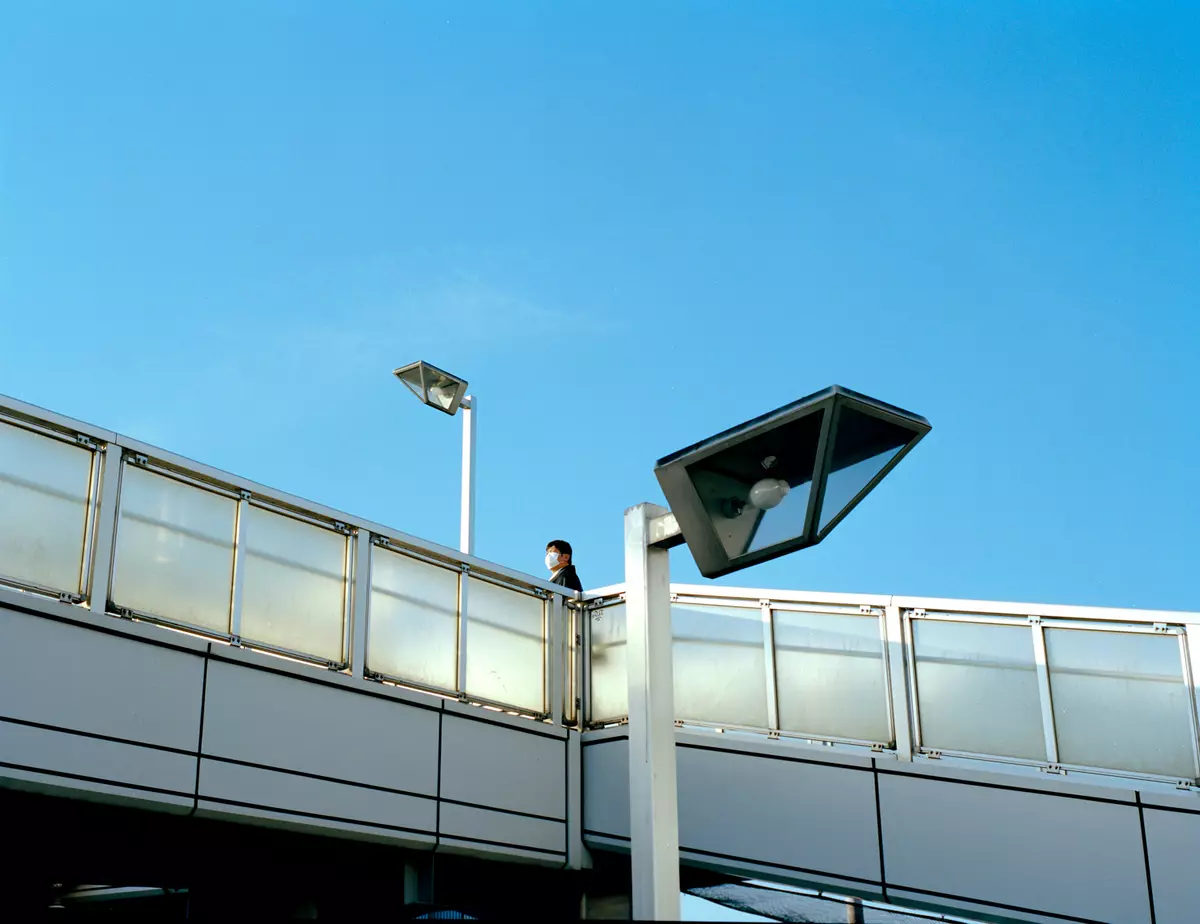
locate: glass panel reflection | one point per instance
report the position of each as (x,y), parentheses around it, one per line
(413,626)
(1120,701)
(294,595)
(977,689)
(862,446)
(44,484)
(505,646)
(757,491)
(719,665)
(174,550)
(830,674)
(609,690)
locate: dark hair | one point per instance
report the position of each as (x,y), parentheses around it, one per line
(564,547)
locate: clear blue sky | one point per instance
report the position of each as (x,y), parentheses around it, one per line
(630,226)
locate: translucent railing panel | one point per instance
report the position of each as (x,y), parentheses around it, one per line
(1120,701)
(44,488)
(413,624)
(977,689)
(830,674)
(506,646)
(609,682)
(174,550)
(294,594)
(719,664)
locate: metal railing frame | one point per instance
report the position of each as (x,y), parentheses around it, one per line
(112,452)
(896,615)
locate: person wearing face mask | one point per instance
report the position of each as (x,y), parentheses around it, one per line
(558,561)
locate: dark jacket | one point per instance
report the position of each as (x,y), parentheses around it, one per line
(567,577)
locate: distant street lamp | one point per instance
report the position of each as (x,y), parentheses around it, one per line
(447,393)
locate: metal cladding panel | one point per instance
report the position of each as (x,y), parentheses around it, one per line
(1026,850)
(475,824)
(301,795)
(810,816)
(606,787)
(1173,843)
(492,765)
(72,677)
(81,762)
(286,723)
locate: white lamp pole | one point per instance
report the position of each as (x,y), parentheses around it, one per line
(653,801)
(466,533)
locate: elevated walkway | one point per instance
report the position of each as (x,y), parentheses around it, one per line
(178,641)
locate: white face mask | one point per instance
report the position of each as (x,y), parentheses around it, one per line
(551,561)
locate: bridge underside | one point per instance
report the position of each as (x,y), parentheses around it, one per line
(225,869)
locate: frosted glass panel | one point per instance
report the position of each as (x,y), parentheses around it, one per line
(1120,701)
(44,486)
(505,651)
(412,632)
(719,665)
(174,552)
(609,690)
(294,595)
(977,689)
(829,670)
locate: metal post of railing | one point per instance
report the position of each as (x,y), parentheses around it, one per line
(556,635)
(1043,674)
(768,624)
(901,696)
(239,568)
(106,530)
(363,548)
(463,593)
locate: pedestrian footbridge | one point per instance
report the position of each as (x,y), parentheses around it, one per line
(177,639)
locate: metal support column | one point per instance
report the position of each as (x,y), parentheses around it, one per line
(653,806)
(466,540)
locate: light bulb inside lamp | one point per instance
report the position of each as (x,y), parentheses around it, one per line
(768,493)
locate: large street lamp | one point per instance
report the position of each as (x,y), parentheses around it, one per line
(762,489)
(447,393)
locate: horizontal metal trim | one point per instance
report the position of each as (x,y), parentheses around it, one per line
(592,744)
(186,476)
(294,812)
(81,618)
(784,757)
(541,733)
(42,590)
(136,787)
(1042,610)
(480,840)
(61,430)
(316,776)
(364,690)
(789,735)
(792,869)
(1010,787)
(184,752)
(1177,809)
(502,811)
(1109,773)
(588,832)
(989,904)
(375,787)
